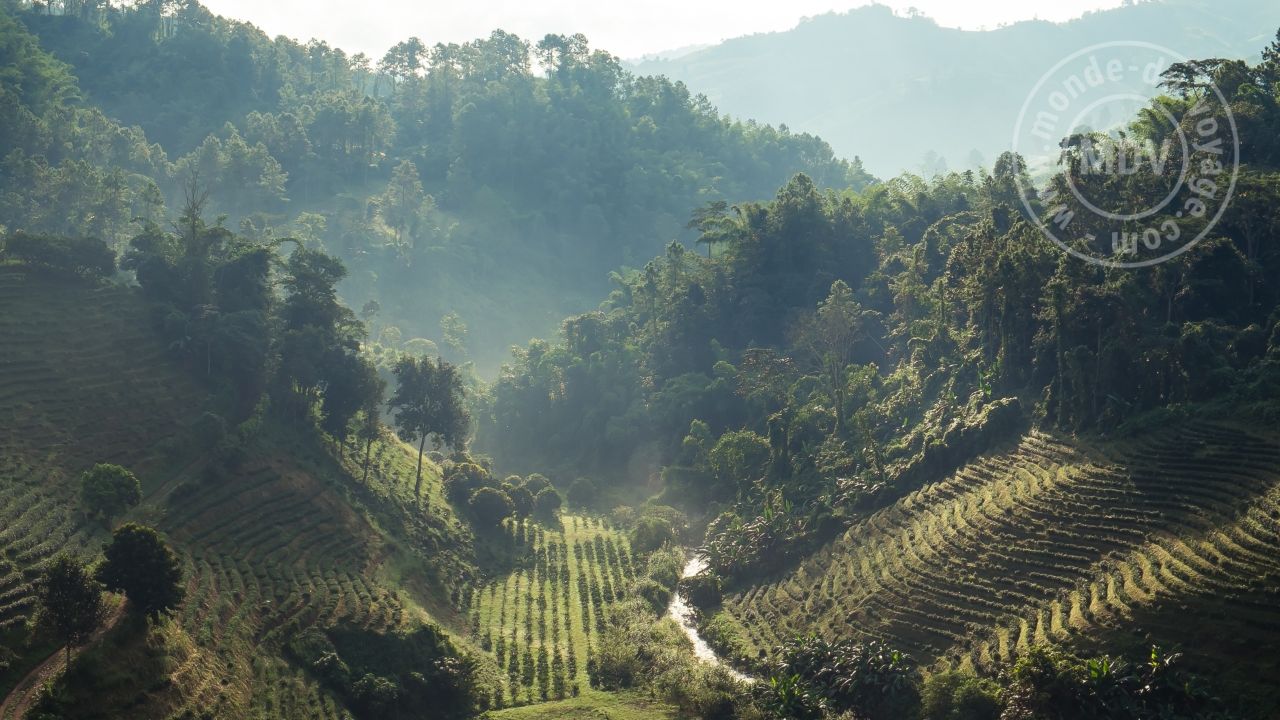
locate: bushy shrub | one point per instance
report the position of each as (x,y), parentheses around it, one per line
(702,590)
(960,696)
(583,492)
(666,566)
(491,506)
(651,533)
(140,564)
(655,593)
(722,632)
(871,681)
(738,458)
(1050,683)
(522,499)
(634,648)
(461,480)
(392,675)
(109,490)
(536,483)
(547,503)
(80,257)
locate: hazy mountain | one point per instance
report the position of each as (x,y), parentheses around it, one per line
(671,54)
(891,89)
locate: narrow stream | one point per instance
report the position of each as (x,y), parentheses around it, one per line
(683,613)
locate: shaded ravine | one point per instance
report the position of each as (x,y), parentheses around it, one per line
(683,613)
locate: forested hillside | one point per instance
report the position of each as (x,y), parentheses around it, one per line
(417,168)
(835,353)
(828,447)
(273,535)
(909,96)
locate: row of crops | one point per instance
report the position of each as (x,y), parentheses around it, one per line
(70,395)
(541,620)
(1049,543)
(81,381)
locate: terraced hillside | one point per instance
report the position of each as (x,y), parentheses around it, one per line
(539,620)
(71,394)
(1171,539)
(288,541)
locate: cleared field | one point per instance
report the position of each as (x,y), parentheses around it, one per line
(540,620)
(1173,537)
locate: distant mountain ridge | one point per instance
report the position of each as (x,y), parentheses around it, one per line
(890,89)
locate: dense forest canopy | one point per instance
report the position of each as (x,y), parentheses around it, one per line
(833,349)
(418,168)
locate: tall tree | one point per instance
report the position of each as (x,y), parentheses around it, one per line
(428,403)
(370,424)
(140,564)
(71,602)
(829,336)
(404,203)
(352,385)
(109,490)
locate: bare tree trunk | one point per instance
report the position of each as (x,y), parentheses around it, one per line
(417,485)
(368,448)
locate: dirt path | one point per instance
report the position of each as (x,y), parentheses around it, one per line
(27,691)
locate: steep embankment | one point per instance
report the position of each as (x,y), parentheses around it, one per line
(288,540)
(1171,539)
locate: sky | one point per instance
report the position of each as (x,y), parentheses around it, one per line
(627,28)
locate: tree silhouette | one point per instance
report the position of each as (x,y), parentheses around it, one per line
(71,602)
(140,565)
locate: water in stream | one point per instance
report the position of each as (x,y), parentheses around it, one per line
(683,613)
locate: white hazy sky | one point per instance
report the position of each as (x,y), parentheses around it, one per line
(629,28)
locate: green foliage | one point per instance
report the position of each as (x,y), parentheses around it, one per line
(653,592)
(109,490)
(70,601)
(423,163)
(1049,683)
(547,502)
(788,698)
(522,500)
(462,479)
(702,590)
(583,492)
(838,350)
(392,675)
(651,533)
(87,258)
(428,403)
(536,483)
(665,566)
(140,564)
(737,545)
(491,506)
(869,680)
(739,458)
(956,695)
(213,290)
(238,174)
